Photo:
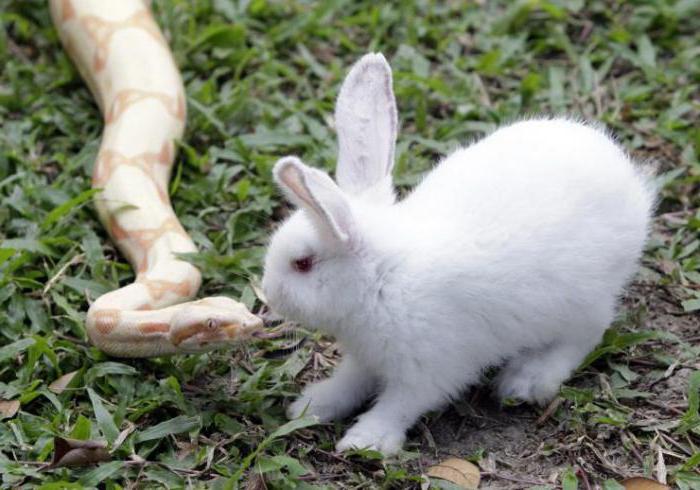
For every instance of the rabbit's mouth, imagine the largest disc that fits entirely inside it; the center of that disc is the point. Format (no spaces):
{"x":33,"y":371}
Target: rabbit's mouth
{"x":276,"y":327}
{"x":274,"y":324}
{"x":270,"y":317}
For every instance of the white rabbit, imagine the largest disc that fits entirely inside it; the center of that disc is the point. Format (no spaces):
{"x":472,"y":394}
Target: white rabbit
{"x":511,"y":251}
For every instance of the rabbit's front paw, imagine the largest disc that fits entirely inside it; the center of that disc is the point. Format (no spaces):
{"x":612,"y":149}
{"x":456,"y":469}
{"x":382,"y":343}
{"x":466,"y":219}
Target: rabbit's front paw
{"x":327,"y":400}
{"x":308,"y":405}
{"x":378,"y":437}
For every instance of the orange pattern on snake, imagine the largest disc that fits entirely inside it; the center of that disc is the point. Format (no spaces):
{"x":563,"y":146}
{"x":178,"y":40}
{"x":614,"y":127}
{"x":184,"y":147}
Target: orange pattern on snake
{"x":152,"y":327}
{"x":191,"y":330}
{"x":143,"y":239}
{"x":101,"y":32}
{"x":159,"y":288}
{"x":127,"y":98}
{"x":150,"y":316}
{"x":106,"y":321}
{"x":109,"y":160}
{"x":67,"y":11}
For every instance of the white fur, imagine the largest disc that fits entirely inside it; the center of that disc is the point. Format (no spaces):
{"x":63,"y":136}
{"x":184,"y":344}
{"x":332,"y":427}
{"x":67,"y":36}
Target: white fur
{"x":366,"y":122}
{"x":511,"y":251}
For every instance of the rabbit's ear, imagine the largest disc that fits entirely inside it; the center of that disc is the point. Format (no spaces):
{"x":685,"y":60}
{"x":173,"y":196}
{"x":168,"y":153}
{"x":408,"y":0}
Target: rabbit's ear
{"x":366,"y":121}
{"x":316,"y":192}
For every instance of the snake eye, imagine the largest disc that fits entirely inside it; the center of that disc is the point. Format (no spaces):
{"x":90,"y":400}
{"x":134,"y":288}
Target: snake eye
{"x":212,"y":324}
{"x":303,"y":264}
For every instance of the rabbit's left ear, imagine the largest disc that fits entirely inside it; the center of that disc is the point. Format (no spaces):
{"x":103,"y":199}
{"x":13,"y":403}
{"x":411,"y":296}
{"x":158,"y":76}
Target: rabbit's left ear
{"x":314,"y":191}
{"x":366,"y":121}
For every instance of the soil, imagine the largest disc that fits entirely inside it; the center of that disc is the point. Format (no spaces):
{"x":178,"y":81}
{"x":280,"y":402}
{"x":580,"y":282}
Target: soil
{"x":522,"y":446}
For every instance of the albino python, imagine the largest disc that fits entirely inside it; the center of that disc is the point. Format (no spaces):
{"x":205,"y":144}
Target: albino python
{"x":125,"y":60}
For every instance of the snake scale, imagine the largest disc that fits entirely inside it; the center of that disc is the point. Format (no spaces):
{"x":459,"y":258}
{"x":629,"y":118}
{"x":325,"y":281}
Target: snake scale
{"x":126,"y":62}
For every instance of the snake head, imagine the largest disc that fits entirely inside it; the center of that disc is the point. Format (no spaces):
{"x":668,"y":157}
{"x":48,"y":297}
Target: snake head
{"x":213,"y":323}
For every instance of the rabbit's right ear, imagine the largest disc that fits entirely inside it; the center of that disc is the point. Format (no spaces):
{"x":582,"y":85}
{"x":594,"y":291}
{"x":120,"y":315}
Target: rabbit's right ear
{"x":366,"y":121}
{"x":315,"y":191}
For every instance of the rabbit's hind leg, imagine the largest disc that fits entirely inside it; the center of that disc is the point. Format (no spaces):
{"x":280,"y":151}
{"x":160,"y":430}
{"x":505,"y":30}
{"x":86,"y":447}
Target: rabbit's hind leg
{"x":536,"y":375}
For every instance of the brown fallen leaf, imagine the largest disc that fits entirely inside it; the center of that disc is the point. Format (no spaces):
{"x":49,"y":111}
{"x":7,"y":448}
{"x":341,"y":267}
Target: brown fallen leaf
{"x":8,"y":408}
{"x":72,"y":452}
{"x":256,"y":482}
{"x":666,"y":266}
{"x":59,"y":385}
{"x":458,"y":471}
{"x":123,"y":435}
{"x":641,"y":483}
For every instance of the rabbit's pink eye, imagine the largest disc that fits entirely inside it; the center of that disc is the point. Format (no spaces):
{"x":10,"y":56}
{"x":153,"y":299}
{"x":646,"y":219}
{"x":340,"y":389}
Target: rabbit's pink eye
{"x":304,"y":264}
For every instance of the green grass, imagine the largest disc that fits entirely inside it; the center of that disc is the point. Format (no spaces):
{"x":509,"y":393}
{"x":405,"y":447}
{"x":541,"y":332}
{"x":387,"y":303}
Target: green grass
{"x":261,"y":80}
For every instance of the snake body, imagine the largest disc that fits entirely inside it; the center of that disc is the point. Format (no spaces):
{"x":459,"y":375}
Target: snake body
{"x":122,"y":55}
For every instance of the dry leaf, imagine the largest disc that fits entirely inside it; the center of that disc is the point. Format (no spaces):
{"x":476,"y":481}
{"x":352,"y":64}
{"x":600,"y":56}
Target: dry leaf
{"x":59,"y":385}
{"x":667,"y":266}
{"x":72,"y":452}
{"x":123,"y":435}
{"x":8,"y":408}
{"x":640,"y":483}
{"x":256,"y":482}
{"x":661,"y":471}
{"x":458,"y":471}
{"x":258,"y":293}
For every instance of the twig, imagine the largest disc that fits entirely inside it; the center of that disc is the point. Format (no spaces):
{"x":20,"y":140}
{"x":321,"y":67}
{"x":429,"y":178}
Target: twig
{"x":669,"y":408}
{"x":667,"y":374}
{"x":584,"y":476}
{"x":501,"y":476}
{"x":74,"y":260}
{"x":425,"y":431}
{"x":602,"y":461}
{"x":335,"y":456}
{"x":675,"y":443}
{"x":549,"y":411}
{"x":34,"y":463}
{"x":660,"y":466}
{"x":628,"y":437}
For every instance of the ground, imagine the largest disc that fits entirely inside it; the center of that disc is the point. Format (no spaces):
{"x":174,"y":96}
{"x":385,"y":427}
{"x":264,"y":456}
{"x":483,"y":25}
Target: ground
{"x":261,"y":80}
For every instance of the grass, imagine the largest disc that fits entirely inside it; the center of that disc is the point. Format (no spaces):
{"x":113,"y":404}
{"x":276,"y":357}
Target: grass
{"x":261,"y":79}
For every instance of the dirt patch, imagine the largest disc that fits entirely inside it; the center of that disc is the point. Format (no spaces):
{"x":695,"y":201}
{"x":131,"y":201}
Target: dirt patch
{"x":515,"y":451}
{"x":615,"y":418}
